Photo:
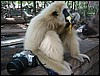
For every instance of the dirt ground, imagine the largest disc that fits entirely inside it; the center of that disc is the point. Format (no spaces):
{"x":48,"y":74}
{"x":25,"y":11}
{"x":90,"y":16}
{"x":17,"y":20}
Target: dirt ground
{"x":8,"y":32}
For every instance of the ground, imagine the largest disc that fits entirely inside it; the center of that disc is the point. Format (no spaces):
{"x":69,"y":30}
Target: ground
{"x":8,"y":32}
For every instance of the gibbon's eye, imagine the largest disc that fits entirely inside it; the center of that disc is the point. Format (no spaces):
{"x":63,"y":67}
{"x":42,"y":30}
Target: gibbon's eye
{"x":55,"y":13}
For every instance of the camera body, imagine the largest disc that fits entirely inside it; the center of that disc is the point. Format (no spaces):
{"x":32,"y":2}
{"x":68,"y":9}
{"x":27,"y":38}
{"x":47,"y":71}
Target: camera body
{"x":28,"y":55}
{"x":21,"y":61}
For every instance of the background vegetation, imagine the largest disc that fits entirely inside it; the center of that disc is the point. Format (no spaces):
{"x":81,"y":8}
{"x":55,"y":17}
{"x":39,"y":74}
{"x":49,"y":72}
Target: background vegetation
{"x":22,"y":8}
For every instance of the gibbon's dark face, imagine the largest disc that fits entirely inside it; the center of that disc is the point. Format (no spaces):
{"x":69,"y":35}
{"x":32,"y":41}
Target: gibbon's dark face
{"x":66,"y":14}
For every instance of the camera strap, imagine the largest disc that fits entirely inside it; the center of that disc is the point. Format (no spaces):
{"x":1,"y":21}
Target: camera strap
{"x":49,"y":71}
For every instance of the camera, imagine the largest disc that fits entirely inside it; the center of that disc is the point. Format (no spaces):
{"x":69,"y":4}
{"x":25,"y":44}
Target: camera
{"x":21,"y":61}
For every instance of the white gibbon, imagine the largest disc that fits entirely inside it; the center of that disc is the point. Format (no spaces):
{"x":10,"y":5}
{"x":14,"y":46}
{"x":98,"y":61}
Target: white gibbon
{"x":48,"y":37}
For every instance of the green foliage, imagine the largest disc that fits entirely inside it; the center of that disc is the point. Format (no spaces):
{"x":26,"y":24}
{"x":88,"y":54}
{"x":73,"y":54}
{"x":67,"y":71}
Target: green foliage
{"x":84,"y":8}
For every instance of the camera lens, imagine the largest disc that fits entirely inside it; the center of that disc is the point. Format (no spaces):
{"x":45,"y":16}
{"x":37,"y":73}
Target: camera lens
{"x":17,"y":65}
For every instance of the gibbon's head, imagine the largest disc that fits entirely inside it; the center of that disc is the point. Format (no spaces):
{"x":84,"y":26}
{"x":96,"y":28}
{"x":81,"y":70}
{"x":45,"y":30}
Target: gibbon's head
{"x":55,"y":15}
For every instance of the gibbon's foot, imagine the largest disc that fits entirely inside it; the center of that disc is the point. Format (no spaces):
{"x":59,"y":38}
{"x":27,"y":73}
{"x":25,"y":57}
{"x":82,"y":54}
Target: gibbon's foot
{"x":68,"y":70}
{"x":81,"y":57}
{"x":66,"y":64}
{"x":63,"y":69}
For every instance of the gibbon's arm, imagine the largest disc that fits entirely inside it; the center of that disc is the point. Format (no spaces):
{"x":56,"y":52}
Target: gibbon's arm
{"x":60,"y":68}
{"x":51,"y":53}
{"x":71,"y":43}
{"x":52,"y":47}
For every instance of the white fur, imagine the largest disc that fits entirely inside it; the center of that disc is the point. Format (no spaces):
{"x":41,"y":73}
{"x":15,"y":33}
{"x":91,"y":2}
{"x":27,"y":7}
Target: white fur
{"x":47,"y":38}
{"x":52,"y":46}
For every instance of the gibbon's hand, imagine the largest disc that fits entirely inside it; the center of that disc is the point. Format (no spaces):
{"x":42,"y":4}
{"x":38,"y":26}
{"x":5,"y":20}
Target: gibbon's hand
{"x":81,"y":57}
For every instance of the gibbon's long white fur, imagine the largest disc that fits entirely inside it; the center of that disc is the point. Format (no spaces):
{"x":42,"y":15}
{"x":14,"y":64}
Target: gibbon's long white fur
{"x":47,"y":38}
